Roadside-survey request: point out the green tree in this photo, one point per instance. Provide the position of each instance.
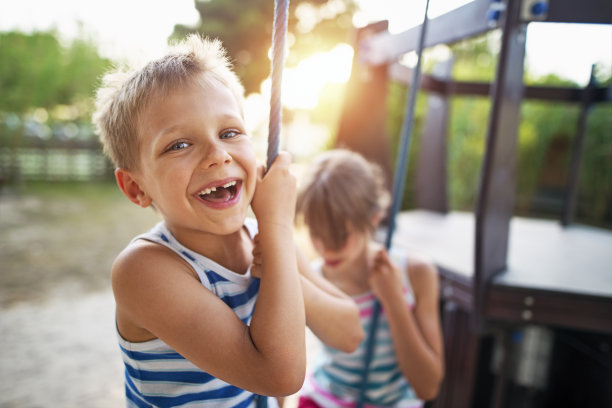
(546, 136)
(245, 28)
(36, 70)
(47, 92)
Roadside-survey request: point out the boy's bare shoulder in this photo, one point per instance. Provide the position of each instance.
(142, 260)
(141, 252)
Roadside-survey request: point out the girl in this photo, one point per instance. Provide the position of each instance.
(342, 200)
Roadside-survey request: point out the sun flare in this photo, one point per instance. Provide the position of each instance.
(302, 85)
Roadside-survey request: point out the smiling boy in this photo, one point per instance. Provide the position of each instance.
(196, 323)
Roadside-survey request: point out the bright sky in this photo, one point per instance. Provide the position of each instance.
(123, 28)
(568, 50)
(138, 28)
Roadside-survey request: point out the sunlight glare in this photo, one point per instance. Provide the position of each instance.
(303, 84)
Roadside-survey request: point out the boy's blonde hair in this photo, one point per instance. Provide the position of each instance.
(341, 192)
(125, 94)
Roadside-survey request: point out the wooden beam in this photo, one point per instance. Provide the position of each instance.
(463, 22)
(433, 83)
(362, 125)
(497, 189)
(471, 20)
(582, 11)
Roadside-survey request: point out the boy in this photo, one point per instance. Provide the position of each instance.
(195, 324)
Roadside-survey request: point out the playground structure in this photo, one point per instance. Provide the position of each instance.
(526, 303)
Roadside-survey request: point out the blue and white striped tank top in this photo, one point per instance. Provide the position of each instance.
(156, 375)
(335, 381)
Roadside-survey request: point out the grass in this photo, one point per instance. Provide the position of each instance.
(63, 236)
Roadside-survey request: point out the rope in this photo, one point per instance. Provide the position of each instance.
(281, 10)
(398, 192)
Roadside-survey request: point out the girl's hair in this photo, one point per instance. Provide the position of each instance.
(125, 94)
(341, 192)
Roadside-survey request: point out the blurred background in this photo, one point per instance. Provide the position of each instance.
(62, 219)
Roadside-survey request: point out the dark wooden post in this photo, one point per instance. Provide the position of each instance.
(362, 126)
(496, 195)
(461, 349)
(431, 178)
(574, 173)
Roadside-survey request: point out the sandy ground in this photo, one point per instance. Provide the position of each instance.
(57, 339)
(63, 353)
(60, 353)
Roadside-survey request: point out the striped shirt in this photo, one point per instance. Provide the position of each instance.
(336, 379)
(158, 376)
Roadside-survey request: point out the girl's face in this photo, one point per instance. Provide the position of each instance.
(353, 251)
(197, 164)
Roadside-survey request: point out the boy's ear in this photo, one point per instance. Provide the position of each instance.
(131, 188)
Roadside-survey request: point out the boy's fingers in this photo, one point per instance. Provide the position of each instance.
(282, 159)
(261, 170)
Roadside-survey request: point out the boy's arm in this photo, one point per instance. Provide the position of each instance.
(331, 315)
(158, 295)
(278, 325)
(416, 333)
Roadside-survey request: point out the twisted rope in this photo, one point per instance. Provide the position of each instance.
(398, 192)
(281, 10)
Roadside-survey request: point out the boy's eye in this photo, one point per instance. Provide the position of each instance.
(178, 146)
(229, 134)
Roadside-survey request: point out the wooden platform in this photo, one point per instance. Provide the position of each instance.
(555, 276)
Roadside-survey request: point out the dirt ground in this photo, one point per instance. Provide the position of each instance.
(56, 318)
(57, 335)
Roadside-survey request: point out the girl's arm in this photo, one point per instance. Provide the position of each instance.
(416, 333)
(331, 315)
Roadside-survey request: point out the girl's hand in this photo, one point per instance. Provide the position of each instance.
(275, 194)
(385, 279)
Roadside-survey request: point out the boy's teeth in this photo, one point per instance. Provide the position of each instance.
(211, 189)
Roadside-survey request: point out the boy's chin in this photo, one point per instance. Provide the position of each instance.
(229, 225)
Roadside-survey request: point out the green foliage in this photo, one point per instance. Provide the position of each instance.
(47, 91)
(396, 103)
(247, 33)
(547, 133)
(595, 198)
(474, 58)
(466, 144)
(37, 71)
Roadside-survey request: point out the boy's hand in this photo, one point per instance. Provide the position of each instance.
(256, 266)
(275, 194)
(385, 278)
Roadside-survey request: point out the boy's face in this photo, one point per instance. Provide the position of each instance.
(197, 164)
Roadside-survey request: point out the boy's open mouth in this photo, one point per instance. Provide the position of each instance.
(219, 194)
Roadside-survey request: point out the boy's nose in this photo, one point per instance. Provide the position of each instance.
(216, 155)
